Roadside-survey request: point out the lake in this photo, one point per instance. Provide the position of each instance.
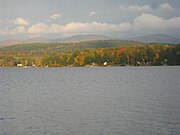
(90, 101)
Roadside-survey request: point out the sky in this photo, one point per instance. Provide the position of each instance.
(24, 19)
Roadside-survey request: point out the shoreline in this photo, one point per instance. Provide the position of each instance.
(92, 66)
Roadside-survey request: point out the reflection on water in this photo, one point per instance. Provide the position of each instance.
(90, 101)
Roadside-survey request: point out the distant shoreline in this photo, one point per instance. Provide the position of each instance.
(28, 67)
(90, 54)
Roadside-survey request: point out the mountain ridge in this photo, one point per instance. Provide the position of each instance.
(152, 38)
(79, 38)
(74, 38)
(157, 38)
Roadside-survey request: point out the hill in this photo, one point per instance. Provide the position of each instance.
(89, 37)
(75, 38)
(9, 43)
(157, 38)
(89, 53)
(63, 47)
(37, 40)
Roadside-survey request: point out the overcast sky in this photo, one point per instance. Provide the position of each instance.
(22, 19)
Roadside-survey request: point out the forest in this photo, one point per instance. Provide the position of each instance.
(93, 53)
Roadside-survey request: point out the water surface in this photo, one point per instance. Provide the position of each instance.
(90, 101)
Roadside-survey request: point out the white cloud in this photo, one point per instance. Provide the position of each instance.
(55, 28)
(94, 27)
(55, 16)
(137, 8)
(20, 21)
(92, 13)
(166, 7)
(38, 28)
(19, 29)
(42, 28)
(77, 27)
(143, 23)
(149, 22)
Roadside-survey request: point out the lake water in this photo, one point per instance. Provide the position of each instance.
(90, 101)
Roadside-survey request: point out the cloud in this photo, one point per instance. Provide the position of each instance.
(142, 24)
(149, 22)
(137, 8)
(38, 28)
(20, 21)
(42, 28)
(147, 8)
(6, 31)
(166, 7)
(77, 27)
(94, 27)
(19, 29)
(92, 13)
(55, 16)
(55, 28)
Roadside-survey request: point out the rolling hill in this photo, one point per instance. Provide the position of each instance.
(89, 37)
(157, 38)
(71, 46)
(75, 38)
(9, 43)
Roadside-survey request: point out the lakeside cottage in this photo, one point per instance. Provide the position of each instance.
(19, 65)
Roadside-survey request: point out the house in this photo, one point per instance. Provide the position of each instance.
(19, 65)
(105, 63)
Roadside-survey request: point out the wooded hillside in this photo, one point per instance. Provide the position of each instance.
(90, 53)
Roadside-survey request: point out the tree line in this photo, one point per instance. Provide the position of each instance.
(145, 55)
